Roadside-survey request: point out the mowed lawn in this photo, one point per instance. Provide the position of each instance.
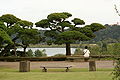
(56, 74)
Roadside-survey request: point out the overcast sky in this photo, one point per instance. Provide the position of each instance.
(101, 11)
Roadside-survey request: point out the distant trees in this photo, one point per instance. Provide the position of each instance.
(109, 35)
(63, 31)
(37, 53)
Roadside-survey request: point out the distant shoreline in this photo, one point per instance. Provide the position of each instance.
(52, 46)
(59, 46)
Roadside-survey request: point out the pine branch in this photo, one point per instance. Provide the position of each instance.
(117, 10)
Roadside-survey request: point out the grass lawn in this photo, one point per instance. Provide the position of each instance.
(56, 74)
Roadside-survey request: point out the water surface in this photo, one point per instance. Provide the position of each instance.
(50, 51)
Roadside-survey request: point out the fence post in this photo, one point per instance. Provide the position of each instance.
(24, 66)
(92, 66)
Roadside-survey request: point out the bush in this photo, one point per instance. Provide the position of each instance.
(39, 53)
(95, 50)
(116, 72)
(114, 49)
(78, 51)
(108, 49)
(30, 53)
(59, 55)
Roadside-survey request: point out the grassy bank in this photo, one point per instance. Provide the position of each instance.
(74, 74)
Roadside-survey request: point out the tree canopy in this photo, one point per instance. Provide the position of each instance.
(65, 31)
(61, 30)
(9, 19)
(4, 37)
(25, 24)
(16, 32)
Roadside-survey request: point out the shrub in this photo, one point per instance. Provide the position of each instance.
(96, 50)
(39, 53)
(114, 49)
(59, 55)
(30, 53)
(78, 51)
(116, 72)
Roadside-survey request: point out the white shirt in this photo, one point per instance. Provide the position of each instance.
(86, 53)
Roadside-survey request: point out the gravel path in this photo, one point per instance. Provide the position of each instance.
(36, 65)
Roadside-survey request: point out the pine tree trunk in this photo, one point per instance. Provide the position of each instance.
(25, 51)
(68, 50)
(15, 49)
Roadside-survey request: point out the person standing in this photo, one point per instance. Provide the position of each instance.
(86, 53)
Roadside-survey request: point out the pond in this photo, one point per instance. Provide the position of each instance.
(50, 51)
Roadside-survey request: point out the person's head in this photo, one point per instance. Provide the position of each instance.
(86, 47)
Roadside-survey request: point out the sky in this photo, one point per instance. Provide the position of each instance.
(91, 11)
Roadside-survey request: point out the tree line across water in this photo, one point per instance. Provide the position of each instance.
(111, 34)
(15, 32)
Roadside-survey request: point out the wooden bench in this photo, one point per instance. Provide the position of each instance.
(45, 68)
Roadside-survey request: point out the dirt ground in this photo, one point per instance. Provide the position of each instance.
(36, 65)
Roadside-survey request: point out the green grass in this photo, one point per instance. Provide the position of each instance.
(55, 74)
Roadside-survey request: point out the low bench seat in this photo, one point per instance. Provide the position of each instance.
(45, 67)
